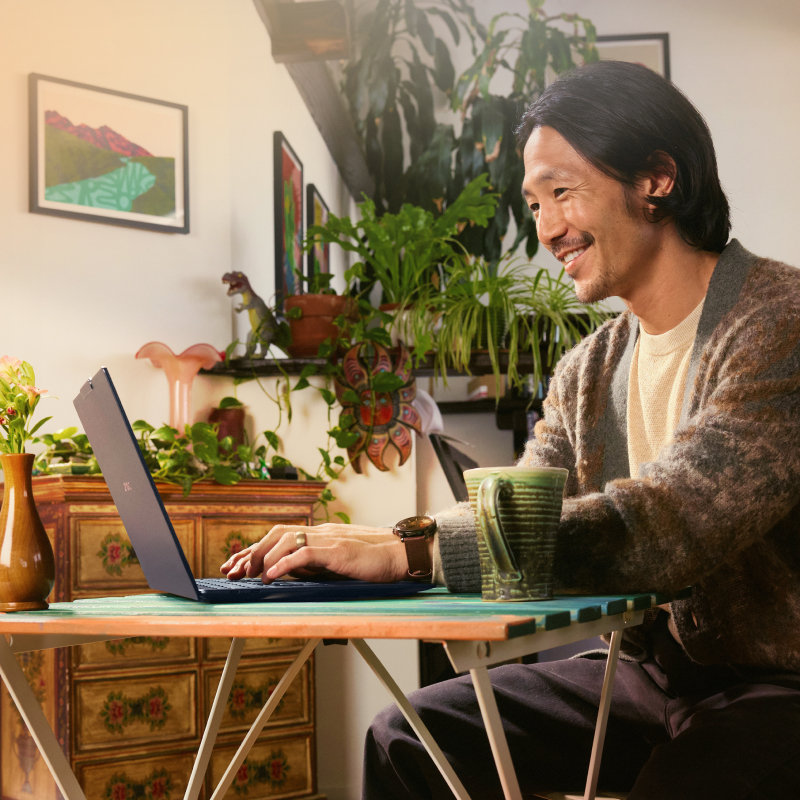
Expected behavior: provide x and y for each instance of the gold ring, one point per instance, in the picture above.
(300, 540)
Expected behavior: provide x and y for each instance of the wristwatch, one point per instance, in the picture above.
(414, 533)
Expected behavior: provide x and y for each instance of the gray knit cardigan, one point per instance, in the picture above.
(719, 511)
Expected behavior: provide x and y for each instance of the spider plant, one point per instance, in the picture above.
(505, 308)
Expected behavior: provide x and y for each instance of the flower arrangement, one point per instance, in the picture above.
(18, 400)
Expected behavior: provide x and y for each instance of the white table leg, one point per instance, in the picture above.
(417, 725)
(214, 719)
(261, 720)
(495, 732)
(38, 726)
(602, 715)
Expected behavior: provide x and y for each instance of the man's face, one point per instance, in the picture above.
(593, 224)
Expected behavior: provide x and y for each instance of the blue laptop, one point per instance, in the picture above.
(151, 533)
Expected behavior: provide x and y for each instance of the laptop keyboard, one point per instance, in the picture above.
(215, 584)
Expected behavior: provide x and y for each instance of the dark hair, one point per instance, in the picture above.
(622, 118)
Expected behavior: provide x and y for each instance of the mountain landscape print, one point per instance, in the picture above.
(108, 156)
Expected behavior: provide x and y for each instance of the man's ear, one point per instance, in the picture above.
(659, 178)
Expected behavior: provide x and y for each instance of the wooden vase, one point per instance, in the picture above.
(27, 566)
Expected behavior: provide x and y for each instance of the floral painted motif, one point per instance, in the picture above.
(235, 541)
(272, 771)
(244, 698)
(119, 711)
(155, 786)
(377, 398)
(116, 554)
(119, 647)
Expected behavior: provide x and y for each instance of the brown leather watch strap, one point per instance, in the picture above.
(419, 557)
(414, 533)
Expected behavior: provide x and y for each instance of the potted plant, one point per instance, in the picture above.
(402, 70)
(317, 315)
(402, 256)
(505, 309)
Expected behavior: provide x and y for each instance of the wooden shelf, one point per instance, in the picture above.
(479, 364)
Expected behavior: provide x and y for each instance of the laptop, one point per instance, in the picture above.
(151, 533)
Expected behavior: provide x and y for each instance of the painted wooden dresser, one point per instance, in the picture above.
(130, 712)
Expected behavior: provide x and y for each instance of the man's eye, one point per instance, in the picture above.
(534, 207)
(558, 192)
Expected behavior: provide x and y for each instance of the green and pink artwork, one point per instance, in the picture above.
(288, 199)
(108, 156)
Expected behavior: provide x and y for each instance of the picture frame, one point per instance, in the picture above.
(318, 258)
(103, 155)
(649, 49)
(288, 196)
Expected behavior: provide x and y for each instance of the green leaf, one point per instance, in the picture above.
(229, 402)
(328, 396)
(387, 382)
(225, 475)
(164, 434)
(140, 426)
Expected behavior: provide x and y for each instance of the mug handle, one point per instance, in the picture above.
(489, 492)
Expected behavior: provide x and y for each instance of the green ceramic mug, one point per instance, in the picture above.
(517, 511)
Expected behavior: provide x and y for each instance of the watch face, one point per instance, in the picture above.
(415, 526)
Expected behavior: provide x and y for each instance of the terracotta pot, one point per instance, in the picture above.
(27, 566)
(316, 322)
(230, 421)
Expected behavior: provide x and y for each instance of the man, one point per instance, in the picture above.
(680, 424)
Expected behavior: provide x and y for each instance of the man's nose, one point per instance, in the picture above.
(550, 225)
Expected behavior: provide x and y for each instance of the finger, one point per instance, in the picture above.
(290, 542)
(235, 559)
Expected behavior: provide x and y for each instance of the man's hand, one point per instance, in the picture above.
(369, 554)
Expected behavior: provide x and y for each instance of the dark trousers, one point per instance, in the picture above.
(677, 731)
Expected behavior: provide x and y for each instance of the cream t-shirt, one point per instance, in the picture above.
(655, 388)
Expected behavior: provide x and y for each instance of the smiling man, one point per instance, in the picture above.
(679, 423)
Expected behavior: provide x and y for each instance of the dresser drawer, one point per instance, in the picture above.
(134, 709)
(157, 777)
(216, 648)
(104, 558)
(251, 689)
(134, 652)
(274, 768)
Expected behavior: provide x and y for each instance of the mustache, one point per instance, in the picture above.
(565, 245)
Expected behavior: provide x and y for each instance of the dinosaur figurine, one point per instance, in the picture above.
(266, 327)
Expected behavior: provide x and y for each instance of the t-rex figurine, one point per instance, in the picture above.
(266, 328)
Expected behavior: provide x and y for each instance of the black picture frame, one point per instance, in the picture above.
(288, 204)
(650, 49)
(318, 258)
(103, 155)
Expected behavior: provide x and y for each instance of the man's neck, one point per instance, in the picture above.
(675, 285)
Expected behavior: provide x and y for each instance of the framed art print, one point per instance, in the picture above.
(288, 178)
(319, 256)
(107, 156)
(649, 49)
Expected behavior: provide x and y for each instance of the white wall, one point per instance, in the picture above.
(75, 295)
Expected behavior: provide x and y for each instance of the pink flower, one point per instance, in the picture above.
(119, 792)
(276, 769)
(115, 712)
(8, 366)
(238, 698)
(156, 708)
